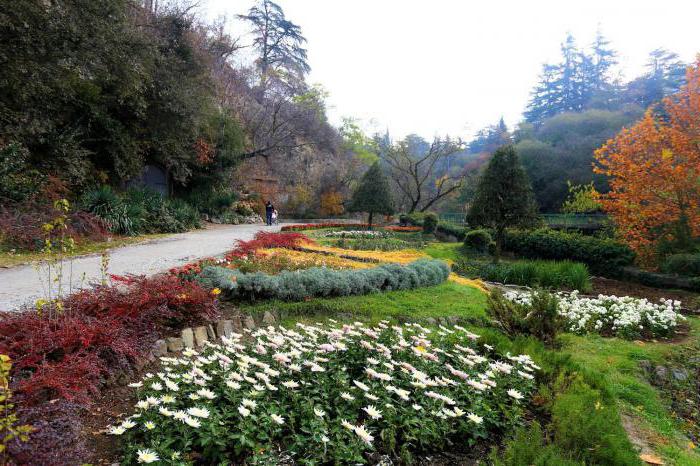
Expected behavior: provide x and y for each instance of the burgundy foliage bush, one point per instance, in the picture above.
(61, 362)
(21, 226)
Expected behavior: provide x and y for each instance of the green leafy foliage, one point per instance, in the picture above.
(430, 223)
(18, 181)
(478, 241)
(602, 255)
(582, 199)
(140, 211)
(682, 264)
(319, 282)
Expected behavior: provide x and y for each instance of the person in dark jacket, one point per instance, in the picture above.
(269, 208)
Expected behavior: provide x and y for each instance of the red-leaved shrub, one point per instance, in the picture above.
(264, 239)
(101, 330)
(21, 226)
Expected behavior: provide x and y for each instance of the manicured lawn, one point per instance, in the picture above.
(445, 251)
(11, 259)
(447, 299)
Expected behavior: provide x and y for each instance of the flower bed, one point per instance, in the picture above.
(320, 394)
(307, 260)
(318, 226)
(403, 229)
(323, 282)
(614, 316)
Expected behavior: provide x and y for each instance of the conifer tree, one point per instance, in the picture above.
(504, 197)
(373, 194)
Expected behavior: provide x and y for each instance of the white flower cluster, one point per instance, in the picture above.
(344, 383)
(357, 234)
(612, 315)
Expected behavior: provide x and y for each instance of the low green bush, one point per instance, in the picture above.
(451, 229)
(603, 256)
(529, 448)
(105, 203)
(323, 282)
(541, 273)
(478, 241)
(430, 223)
(540, 318)
(682, 264)
(139, 211)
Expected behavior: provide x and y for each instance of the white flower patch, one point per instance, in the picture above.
(342, 384)
(612, 315)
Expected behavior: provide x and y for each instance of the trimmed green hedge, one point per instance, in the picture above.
(324, 282)
(603, 256)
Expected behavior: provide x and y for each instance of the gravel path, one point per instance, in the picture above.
(21, 285)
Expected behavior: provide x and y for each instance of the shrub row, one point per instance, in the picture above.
(603, 256)
(67, 355)
(541, 273)
(323, 282)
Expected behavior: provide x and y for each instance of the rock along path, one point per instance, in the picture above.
(22, 285)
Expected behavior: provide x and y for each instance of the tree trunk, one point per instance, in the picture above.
(499, 245)
(369, 221)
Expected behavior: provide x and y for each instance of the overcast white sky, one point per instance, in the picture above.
(436, 67)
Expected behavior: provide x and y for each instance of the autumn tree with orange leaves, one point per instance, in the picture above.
(654, 173)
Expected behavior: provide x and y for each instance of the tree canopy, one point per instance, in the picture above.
(654, 168)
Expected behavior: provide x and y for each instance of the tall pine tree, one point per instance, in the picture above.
(504, 197)
(373, 194)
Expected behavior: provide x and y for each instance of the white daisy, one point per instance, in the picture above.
(373, 412)
(147, 456)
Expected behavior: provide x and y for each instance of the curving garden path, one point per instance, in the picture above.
(21, 285)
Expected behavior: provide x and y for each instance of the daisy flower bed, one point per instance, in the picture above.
(322, 393)
(625, 316)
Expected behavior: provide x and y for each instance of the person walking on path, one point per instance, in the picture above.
(269, 208)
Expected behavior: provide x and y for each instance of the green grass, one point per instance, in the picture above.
(447, 299)
(445, 251)
(12, 259)
(617, 362)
